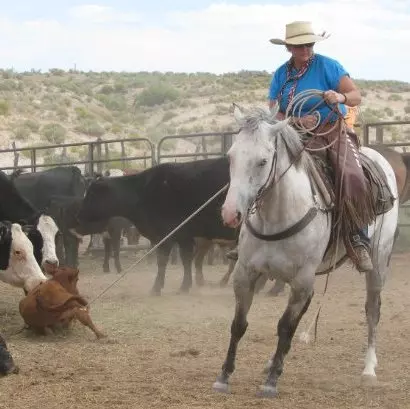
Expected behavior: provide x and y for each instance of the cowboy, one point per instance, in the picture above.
(306, 70)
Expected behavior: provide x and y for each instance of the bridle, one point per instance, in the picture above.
(269, 184)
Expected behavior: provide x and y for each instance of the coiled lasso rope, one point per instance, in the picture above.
(296, 110)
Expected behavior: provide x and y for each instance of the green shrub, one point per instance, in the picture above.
(113, 102)
(62, 113)
(56, 71)
(156, 94)
(106, 89)
(168, 116)
(116, 129)
(395, 97)
(82, 113)
(54, 133)
(4, 107)
(90, 127)
(8, 85)
(22, 133)
(32, 125)
(388, 111)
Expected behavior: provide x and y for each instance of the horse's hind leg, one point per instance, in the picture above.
(298, 304)
(374, 284)
(372, 307)
(382, 246)
(244, 287)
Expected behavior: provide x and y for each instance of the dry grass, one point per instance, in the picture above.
(167, 351)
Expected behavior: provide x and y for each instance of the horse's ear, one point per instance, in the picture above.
(238, 112)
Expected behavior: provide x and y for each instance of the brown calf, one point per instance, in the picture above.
(56, 302)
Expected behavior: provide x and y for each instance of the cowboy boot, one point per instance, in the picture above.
(360, 243)
(233, 254)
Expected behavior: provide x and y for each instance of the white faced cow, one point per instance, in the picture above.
(48, 230)
(18, 265)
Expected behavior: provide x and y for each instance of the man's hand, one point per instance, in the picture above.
(308, 121)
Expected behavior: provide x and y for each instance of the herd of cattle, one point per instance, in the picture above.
(44, 215)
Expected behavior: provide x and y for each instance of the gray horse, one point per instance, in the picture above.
(268, 155)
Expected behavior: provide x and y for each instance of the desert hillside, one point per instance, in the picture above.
(57, 106)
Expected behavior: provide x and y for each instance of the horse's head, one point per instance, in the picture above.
(251, 158)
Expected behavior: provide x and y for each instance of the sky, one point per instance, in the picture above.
(370, 38)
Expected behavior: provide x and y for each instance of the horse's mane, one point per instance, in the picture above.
(288, 135)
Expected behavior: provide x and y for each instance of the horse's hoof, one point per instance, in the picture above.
(220, 387)
(267, 391)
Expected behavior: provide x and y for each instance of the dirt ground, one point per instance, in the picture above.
(166, 351)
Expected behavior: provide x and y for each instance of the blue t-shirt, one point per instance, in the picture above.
(323, 74)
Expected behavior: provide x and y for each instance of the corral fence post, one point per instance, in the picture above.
(91, 159)
(379, 134)
(33, 160)
(16, 156)
(99, 155)
(226, 143)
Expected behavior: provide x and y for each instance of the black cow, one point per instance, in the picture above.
(159, 199)
(40, 187)
(64, 210)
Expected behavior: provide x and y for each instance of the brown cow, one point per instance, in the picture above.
(56, 302)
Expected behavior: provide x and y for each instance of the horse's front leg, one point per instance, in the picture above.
(382, 245)
(244, 288)
(298, 304)
(374, 285)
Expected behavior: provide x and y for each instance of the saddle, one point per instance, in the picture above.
(324, 178)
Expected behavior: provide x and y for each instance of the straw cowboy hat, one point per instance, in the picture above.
(300, 32)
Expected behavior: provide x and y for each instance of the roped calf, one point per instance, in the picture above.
(56, 302)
